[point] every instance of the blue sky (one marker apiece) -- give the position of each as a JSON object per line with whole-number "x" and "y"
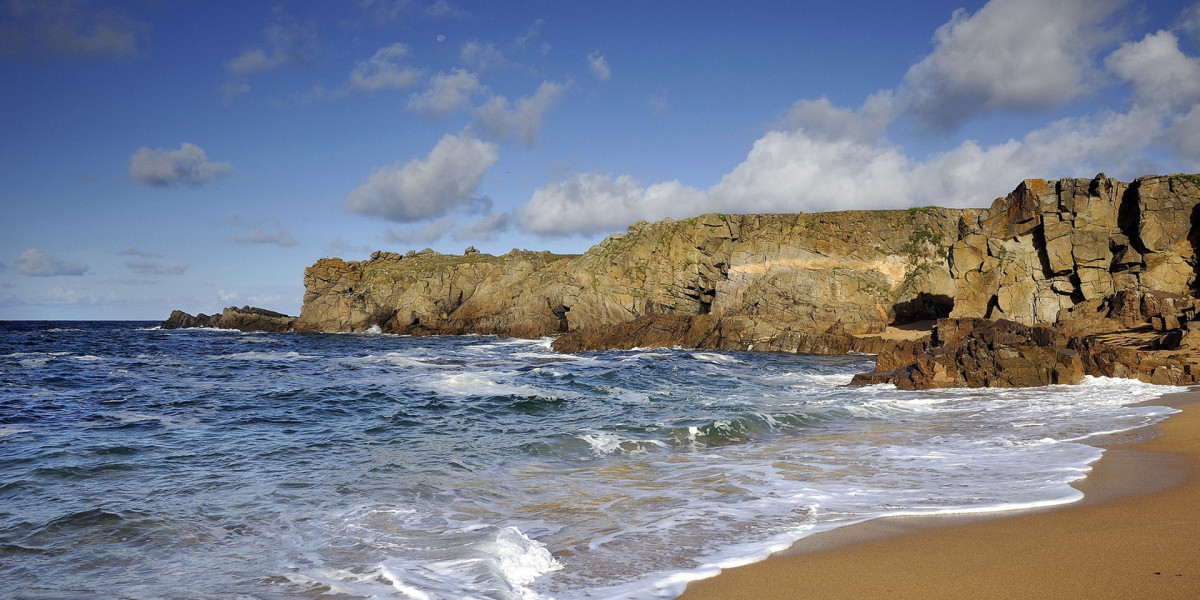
{"x": 162, "y": 154}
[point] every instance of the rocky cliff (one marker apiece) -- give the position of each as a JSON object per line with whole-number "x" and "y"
{"x": 1074, "y": 254}
{"x": 794, "y": 282}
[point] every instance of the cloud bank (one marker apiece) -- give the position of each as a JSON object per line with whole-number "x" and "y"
{"x": 1009, "y": 57}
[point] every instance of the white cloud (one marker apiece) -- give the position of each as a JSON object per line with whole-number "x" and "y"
{"x": 589, "y": 203}
{"x": 827, "y": 157}
{"x": 225, "y": 296}
{"x": 658, "y": 101}
{"x": 71, "y": 29}
{"x": 340, "y": 246}
{"x": 283, "y": 45}
{"x": 1158, "y": 70}
{"x": 135, "y": 251}
{"x": 59, "y": 295}
{"x": 795, "y": 170}
{"x": 153, "y": 267}
{"x": 599, "y": 66}
{"x": 383, "y": 11}
{"x": 821, "y": 119}
{"x": 1014, "y": 55}
{"x": 420, "y": 235}
{"x": 444, "y": 10}
{"x": 385, "y": 70}
{"x": 278, "y": 237}
{"x": 480, "y": 56}
{"x": 484, "y": 229}
{"x": 533, "y": 31}
{"x": 443, "y": 181}
{"x": 40, "y": 263}
{"x": 447, "y": 93}
{"x": 162, "y": 167}
{"x": 523, "y": 121}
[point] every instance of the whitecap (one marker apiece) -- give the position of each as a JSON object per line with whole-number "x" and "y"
{"x": 270, "y": 355}
{"x": 7, "y": 430}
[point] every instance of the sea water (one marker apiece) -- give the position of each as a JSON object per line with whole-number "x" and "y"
{"x": 148, "y": 464}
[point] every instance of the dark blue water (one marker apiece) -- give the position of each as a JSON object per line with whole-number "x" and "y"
{"x": 140, "y": 463}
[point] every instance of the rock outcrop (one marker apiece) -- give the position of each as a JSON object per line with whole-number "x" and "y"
{"x": 246, "y": 318}
{"x": 1054, "y": 281}
{"x": 795, "y": 282}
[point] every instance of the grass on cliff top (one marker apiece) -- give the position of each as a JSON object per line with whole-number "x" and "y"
{"x": 1191, "y": 178}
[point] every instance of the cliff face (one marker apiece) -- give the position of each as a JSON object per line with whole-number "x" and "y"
{"x": 1052, "y": 247}
{"x": 1051, "y": 252}
{"x": 1036, "y": 286}
{"x": 797, "y": 282}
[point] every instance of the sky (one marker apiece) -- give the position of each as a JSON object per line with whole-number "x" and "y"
{"x": 193, "y": 154}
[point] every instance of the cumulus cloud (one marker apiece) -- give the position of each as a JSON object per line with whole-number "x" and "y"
{"x": 1012, "y": 55}
{"x": 385, "y": 70}
{"x": 828, "y": 157}
{"x": 283, "y": 45}
{"x": 443, "y": 181}
{"x": 1158, "y": 70}
{"x": 447, "y": 93}
{"x": 589, "y": 203}
{"x": 599, "y": 66}
{"x": 797, "y": 170}
{"x": 75, "y": 29}
{"x": 39, "y": 263}
{"x": 501, "y": 120}
{"x": 189, "y": 164}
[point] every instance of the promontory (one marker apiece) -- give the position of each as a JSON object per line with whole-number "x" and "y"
{"x": 1057, "y": 280}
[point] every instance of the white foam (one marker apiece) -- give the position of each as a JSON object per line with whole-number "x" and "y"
{"x": 273, "y": 355}
{"x": 167, "y": 422}
{"x": 88, "y": 357}
{"x": 7, "y": 430}
{"x": 523, "y": 560}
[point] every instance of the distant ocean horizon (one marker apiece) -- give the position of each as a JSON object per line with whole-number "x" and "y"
{"x": 144, "y": 463}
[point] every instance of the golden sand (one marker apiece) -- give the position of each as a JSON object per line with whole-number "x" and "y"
{"x": 1135, "y": 535}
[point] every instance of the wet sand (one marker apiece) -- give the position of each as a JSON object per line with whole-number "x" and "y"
{"x": 1136, "y": 534}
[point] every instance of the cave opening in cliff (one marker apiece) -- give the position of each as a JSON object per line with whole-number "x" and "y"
{"x": 923, "y": 307}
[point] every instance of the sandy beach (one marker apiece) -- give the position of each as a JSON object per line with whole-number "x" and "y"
{"x": 1135, "y": 535}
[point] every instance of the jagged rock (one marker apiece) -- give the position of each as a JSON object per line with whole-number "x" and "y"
{"x": 181, "y": 320}
{"x": 246, "y": 318}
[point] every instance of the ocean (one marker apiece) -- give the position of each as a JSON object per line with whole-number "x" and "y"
{"x": 142, "y": 463}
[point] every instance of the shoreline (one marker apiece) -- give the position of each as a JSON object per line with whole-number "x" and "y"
{"x": 1134, "y": 534}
